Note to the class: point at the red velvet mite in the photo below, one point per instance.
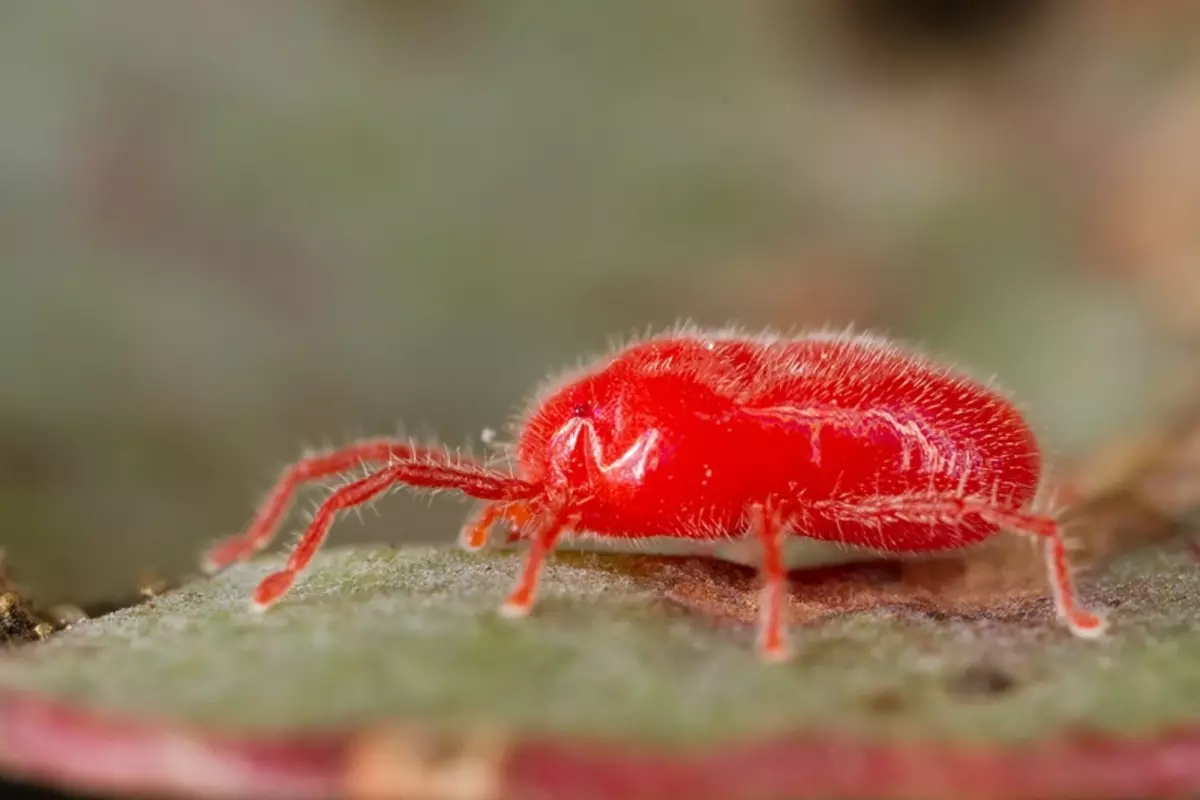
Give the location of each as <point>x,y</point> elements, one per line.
<point>711,435</point>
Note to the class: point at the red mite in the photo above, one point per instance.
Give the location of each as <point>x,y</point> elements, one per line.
<point>713,435</point>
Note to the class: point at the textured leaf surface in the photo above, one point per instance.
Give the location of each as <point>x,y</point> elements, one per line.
<point>636,648</point>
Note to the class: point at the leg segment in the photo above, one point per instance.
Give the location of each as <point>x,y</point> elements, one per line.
<point>951,510</point>
<point>520,601</point>
<point>772,637</point>
<point>477,529</point>
<point>469,479</point>
<point>1081,622</point>
<point>321,465</point>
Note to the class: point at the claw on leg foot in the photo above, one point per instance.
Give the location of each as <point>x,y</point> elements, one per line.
<point>1085,624</point>
<point>225,554</point>
<point>271,588</point>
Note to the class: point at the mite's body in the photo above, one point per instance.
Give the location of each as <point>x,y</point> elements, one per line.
<point>685,437</point>
<point>711,436</point>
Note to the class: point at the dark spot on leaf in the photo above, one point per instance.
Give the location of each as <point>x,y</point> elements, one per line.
<point>885,702</point>
<point>982,680</point>
<point>934,32</point>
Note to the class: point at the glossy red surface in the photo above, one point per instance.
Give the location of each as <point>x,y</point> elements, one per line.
<point>847,438</point>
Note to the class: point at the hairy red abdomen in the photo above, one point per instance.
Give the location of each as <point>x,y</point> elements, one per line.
<point>834,433</point>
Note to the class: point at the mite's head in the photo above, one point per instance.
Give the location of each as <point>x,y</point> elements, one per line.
<point>568,438</point>
<point>613,428</point>
<point>605,429</point>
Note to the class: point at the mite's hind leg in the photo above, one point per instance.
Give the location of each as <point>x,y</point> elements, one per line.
<point>772,635</point>
<point>1078,619</point>
<point>1081,621</point>
<point>544,537</point>
<point>949,510</point>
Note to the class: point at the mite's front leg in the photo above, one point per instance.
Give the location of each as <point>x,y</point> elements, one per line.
<point>312,467</point>
<point>476,531</point>
<point>544,537</point>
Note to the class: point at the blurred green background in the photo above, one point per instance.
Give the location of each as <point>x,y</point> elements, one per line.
<point>231,230</point>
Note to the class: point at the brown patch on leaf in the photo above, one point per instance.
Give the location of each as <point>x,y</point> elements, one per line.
<point>982,680</point>
<point>944,587</point>
<point>885,702</point>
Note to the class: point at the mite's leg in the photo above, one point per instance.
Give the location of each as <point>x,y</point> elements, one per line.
<point>471,480</point>
<point>477,529</point>
<point>517,516</point>
<point>1081,621</point>
<point>321,465</point>
<point>772,637</point>
<point>950,510</point>
<point>520,601</point>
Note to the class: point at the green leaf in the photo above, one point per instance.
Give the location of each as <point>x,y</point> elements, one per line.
<point>644,653</point>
